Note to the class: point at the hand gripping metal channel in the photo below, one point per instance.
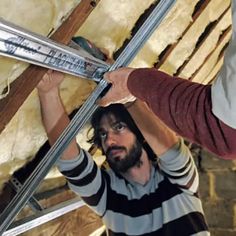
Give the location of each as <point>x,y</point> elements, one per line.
<point>81,117</point>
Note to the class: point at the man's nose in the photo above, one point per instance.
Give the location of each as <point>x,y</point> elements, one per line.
<point>111,139</point>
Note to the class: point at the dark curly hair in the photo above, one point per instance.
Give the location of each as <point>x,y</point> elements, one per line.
<point>120,112</point>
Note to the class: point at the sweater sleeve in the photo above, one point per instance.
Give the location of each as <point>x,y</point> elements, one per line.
<point>185,107</point>
<point>179,167</point>
<point>86,179</point>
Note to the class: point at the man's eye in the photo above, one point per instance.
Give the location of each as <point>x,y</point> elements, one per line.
<point>103,135</point>
<point>119,126</point>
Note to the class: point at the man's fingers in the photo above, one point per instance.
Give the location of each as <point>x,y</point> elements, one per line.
<point>108,98</point>
<point>107,77</point>
<point>103,102</point>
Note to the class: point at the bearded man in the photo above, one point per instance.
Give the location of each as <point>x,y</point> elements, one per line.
<point>151,187</point>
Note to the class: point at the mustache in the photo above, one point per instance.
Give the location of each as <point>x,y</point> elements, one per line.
<point>114,148</point>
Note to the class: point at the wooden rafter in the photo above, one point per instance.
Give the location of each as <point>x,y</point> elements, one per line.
<point>225,34</point>
<point>212,27</point>
<point>28,80</point>
<point>164,55</point>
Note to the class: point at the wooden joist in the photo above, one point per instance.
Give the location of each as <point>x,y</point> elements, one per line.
<point>214,72</point>
<point>207,43</point>
<point>185,47</point>
<point>199,8</point>
<point>201,75</point>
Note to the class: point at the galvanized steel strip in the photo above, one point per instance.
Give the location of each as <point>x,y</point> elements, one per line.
<point>20,44</point>
<point>44,216</point>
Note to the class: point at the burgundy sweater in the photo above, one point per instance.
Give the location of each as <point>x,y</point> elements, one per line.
<point>186,108</point>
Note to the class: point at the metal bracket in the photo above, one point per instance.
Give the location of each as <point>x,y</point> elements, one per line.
<point>43,216</point>
<point>33,203</point>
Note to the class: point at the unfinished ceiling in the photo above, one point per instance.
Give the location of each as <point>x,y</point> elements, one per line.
<point>189,43</point>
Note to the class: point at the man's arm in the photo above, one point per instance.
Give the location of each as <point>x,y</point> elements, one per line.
<point>54,116</point>
<point>184,106</point>
<point>81,172</point>
<point>204,114</point>
<point>175,158</point>
<point>156,133</point>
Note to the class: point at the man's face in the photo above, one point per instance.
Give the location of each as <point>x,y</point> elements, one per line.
<point>120,145</point>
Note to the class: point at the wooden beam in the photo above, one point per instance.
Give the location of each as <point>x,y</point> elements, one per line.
<point>28,80</point>
<point>164,55</point>
<point>206,34</point>
<point>215,71</point>
<point>220,47</point>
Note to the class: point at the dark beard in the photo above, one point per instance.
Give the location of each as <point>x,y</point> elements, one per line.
<point>133,158</point>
